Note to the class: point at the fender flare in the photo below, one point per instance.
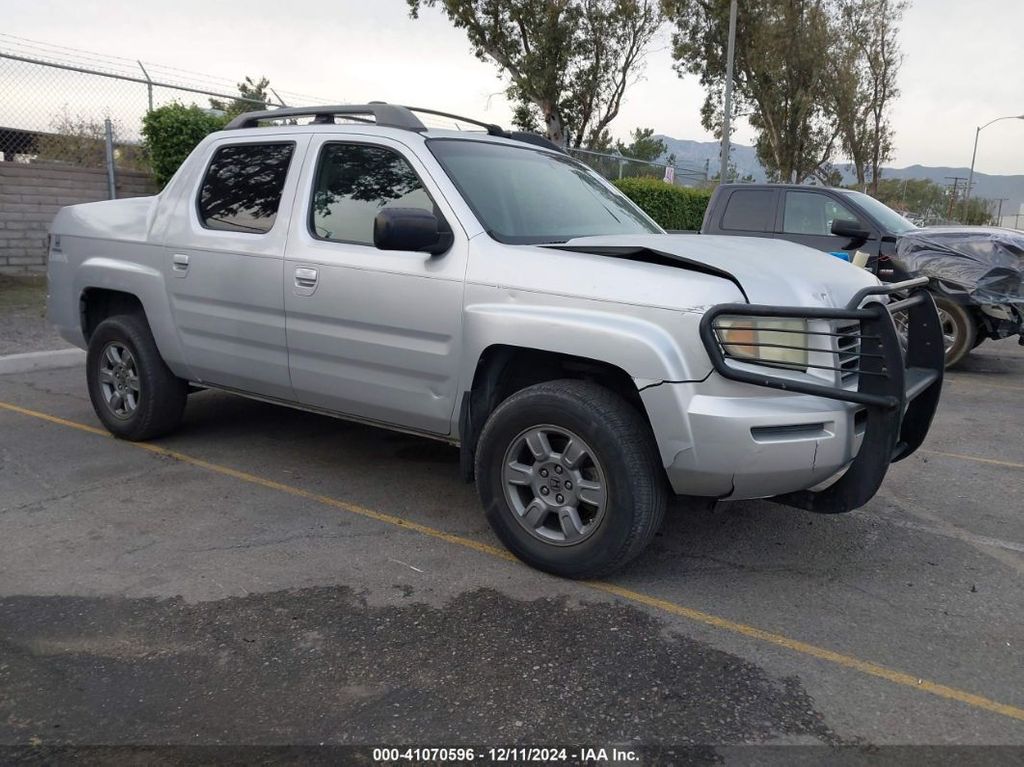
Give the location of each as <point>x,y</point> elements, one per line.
<point>644,349</point>
<point>147,285</point>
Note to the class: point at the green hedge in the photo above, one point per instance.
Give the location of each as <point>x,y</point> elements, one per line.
<point>171,132</point>
<point>673,207</point>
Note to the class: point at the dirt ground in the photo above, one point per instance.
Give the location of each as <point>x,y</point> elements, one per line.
<point>23,326</point>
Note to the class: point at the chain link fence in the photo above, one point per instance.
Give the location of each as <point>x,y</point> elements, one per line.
<point>616,166</point>
<point>58,112</point>
<point>57,106</point>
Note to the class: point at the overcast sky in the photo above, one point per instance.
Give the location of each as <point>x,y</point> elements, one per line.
<point>964,63</point>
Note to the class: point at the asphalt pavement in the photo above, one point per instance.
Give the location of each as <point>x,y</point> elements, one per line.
<point>270,576</point>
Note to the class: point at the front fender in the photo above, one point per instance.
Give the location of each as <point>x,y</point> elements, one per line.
<point>650,345</point>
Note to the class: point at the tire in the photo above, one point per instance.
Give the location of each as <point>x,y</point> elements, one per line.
<point>133,392</point>
<point>959,329</point>
<point>612,523</point>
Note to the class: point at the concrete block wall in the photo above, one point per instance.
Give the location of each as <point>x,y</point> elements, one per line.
<point>32,193</point>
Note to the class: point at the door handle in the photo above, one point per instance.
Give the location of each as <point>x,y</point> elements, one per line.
<point>179,264</point>
<point>305,281</point>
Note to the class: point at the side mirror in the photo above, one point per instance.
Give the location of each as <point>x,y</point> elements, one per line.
<point>410,229</point>
<point>853,230</point>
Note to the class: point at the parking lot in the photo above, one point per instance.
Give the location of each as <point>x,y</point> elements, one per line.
<point>270,576</point>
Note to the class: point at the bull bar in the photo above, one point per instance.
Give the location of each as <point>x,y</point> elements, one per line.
<point>898,387</point>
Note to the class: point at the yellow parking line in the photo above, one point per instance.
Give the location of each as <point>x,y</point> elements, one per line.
<point>975,458</point>
<point>688,613</point>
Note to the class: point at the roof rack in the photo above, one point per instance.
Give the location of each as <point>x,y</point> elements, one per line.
<point>385,115</point>
<point>389,115</point>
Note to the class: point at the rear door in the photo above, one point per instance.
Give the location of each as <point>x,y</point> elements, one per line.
<point>746,213</point>
<point>224,264</point>
<point>371,333</point>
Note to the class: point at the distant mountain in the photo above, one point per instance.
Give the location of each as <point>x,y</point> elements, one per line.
<point>1011,188</point>
<point>991,187</point>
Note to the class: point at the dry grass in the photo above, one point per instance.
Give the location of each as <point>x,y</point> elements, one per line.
<point>23,295</point>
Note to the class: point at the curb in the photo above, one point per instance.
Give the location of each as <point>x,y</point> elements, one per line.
<point>48,360</point>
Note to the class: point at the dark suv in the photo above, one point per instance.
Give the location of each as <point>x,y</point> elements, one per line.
<point>974,273</point>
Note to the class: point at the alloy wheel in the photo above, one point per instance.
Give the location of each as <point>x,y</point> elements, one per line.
<point>119,379</point>
<point>555,485</point>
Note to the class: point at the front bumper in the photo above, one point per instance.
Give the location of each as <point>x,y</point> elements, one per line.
<point>722,440</point>
<point>812,445</point>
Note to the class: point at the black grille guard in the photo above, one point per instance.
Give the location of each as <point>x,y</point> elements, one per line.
<point>898,389</point>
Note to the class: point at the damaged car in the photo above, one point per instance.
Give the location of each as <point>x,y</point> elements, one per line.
<point>483,289</point>
<point>975,275</point>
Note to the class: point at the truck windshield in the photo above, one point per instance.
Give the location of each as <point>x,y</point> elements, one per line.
<point>890,221</point>
<point>528,196</point>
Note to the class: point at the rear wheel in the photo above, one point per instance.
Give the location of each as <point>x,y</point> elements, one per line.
<point>133,392</point>
<point>570,478</point>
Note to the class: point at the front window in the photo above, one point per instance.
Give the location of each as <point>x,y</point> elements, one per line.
<point>813,213</point>
<point>524,195</point>
<point>890,221</point>
<point>354,182</point>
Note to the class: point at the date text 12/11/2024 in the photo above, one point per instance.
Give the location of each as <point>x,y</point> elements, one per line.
<point>504,754</point>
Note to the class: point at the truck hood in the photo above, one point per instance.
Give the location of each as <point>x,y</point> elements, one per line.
<point>767,271</point>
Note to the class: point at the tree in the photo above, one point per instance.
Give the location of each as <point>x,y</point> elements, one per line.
<point>869,30</point>
<point>779,75</point>
<point>252,97</point>
<point>978,213</point>
<point>644,145</point>
<point>849,99</point>
<point>76,140</point>
<point>567,62</point>
<point>171,132</point>
<point>914,195</point>
<point>931,201</point>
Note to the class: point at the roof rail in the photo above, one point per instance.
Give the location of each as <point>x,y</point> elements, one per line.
<point>386,115</point>
<point>491,128</point>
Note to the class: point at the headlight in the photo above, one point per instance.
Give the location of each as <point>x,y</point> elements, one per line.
<point>763,339</point>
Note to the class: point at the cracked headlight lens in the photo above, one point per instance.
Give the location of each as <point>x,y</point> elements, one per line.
<point>765,339</point>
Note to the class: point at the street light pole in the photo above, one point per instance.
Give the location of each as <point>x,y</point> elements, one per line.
<point>727,117</point>
<point>974,156</point>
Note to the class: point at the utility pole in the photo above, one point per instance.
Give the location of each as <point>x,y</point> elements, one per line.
<point>999,215</point>
<point>952,199</point>
<point>727,116</point>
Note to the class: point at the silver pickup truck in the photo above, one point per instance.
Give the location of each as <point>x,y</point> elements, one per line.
<point>484,289</point>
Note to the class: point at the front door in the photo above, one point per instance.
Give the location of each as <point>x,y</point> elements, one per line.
<point>224,264</point>
<point>371,333</point>
<point>807,219</point>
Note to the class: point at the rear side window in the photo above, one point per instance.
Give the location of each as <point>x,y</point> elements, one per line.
<point>242,188</point>
<point>354,182</point>
<point>748,210</point>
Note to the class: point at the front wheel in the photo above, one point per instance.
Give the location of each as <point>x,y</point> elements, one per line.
<point>570,478</point>
<point>959,330</point>
<point>133,392</point>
